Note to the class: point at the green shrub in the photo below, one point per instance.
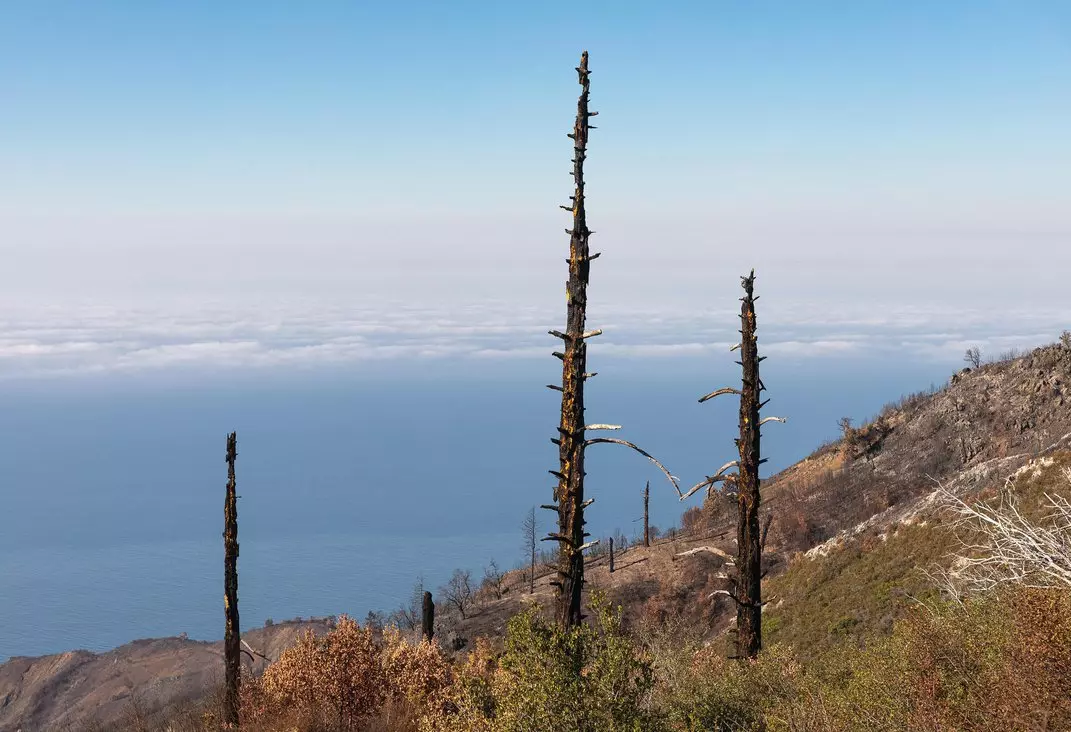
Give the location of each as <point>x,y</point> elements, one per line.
<point>591,678</point>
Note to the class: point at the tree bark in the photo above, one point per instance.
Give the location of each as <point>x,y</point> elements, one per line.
<point>427,619</point>
<point>232,642</point>
<point>646,515</point>
<point>749,538</point>
<point>530,528</point>
<point>569,493</point>
<point>611,555</point>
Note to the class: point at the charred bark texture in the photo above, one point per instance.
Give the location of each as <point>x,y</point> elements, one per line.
<point>646,515</point>
<point>232,642</point>
<point>569,492</point>
<point>611,555</point>
<point>427,618</point>
<point>749,535</point>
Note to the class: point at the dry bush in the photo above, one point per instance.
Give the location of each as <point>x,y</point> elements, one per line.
<point>335,679</point>
<point>346,680</point>
<point>493,585</point>
<point>696,519</point>
<point>459,592</point>
<point>417,672</point>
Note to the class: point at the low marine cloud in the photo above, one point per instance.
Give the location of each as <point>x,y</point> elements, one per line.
<point>79,339</point>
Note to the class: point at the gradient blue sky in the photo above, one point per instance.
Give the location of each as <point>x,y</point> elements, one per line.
<point>364,107</point>
<point>900,151</point>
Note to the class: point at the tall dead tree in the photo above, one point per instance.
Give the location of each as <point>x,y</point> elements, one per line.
<point>572,440</point>
<point>647,515</point>
<point>232,642</point>
<point>750,534</point>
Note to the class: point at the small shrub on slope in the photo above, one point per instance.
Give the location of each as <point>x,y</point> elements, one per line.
<point>341,680</point>
<point>590,678</point>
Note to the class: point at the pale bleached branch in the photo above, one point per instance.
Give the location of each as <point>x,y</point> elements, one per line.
<point>764,420</point>
<point>712,549</point>
<point>1005,547</point>
<point>649,456</point>
<point>712,479</point>
<point>602,427</point>
<point>250,651</point>
<point>734,347</point>
<point>719,392</point>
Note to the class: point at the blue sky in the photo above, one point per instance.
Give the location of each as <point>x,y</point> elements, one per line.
<point>908,152</point>
<point>360,107</point>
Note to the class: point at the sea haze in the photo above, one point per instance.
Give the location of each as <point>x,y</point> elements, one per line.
<point>352,484</point>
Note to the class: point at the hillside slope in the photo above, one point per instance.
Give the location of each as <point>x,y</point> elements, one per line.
<point>65,689</point>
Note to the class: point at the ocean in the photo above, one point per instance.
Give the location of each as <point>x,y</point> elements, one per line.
<point>353,484</point>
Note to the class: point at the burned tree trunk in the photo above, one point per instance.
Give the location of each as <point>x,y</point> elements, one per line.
<point>529,528</point>
<point>232,643</point>
<point>569,493</point>
<point>571,441</point>
<point>611,555</point>
<point>427,618</point>
<point>748,534</point>
<point>646,515</point>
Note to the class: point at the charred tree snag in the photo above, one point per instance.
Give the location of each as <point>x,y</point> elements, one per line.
<point>569,492</point>
<point>646,515</point>
<point>751,534</point>
<point>611,555</point>
<point>232,644</point>
<point>748,539</point>
<point>427,618</point>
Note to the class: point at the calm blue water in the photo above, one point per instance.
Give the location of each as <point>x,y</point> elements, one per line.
<point>352,485</point>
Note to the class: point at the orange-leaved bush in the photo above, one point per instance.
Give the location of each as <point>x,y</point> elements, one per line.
<point>344,678</point>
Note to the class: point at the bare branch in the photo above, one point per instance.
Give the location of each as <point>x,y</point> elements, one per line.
<point>728,593</point>
<point>649,456</point>
<point>719,392</point>
<point>712,549</point>
<point>1005,547</point>
<point>711,480</point>
<point>602,427</point>
<point>253,652</point>
<point>764,420</point>
<point>557,537</point>
<point>588,545</point>
<point>734,347</point>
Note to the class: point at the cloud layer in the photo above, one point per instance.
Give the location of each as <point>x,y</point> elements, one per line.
<point>88,338</point>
